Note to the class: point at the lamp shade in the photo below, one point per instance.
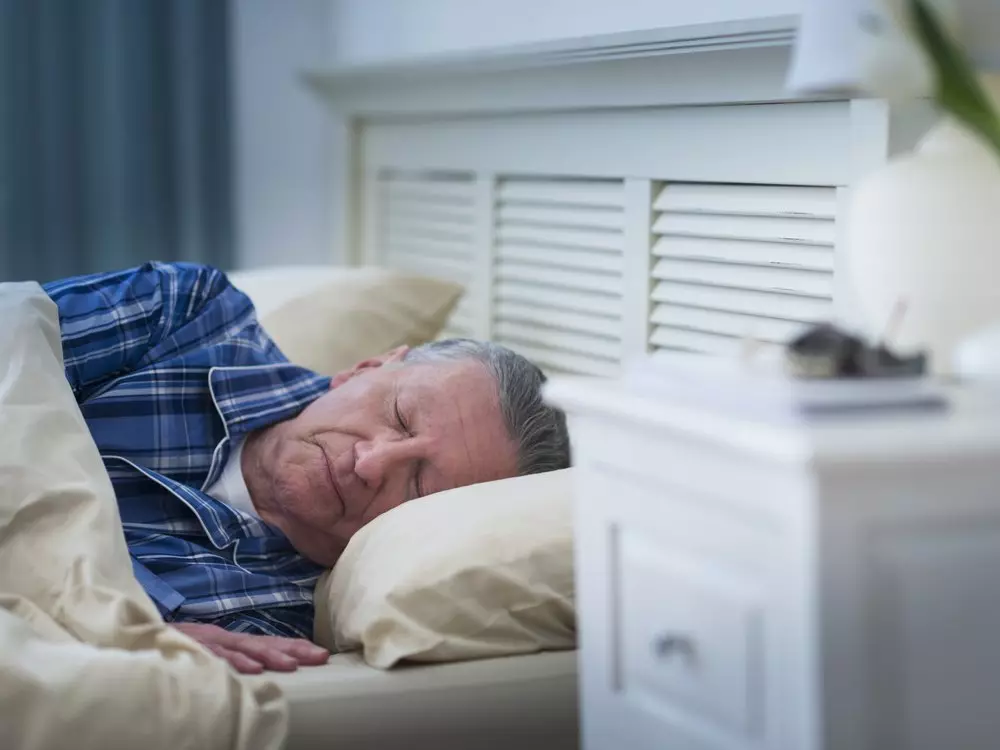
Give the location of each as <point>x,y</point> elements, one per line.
<point>858,47</point>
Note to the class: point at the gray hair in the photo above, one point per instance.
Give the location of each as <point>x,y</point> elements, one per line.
<point>538,430</point>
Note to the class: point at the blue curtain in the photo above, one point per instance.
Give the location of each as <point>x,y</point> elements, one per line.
<point>115,135</point>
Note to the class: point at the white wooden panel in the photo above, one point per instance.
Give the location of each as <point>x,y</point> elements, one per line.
<point>426,246</point>
<point>806,257</point>
<point>559,246</point>
<point>373,198</point>
<point>699,342</point>
<point>743,72</point>
<point>679,339</point>
<point>430,223</point>
<point>549,338</point>
<point>445,268</point>
<point>638,260</point>
<point>764,229</point>
<point>610,241</point>
<point>740,261</point>
<point>485,211</point>
<point>560,279</point>
<point>576,216</point>
<point>429,226</point>
<point>788,281</point>
<point>436,192</point>
<point>557,256</point>
<point>596,194</point>
<point>436,215</point>
<point>521,312</point>
<point>554,360</point>
<point>747,302</point>
<point>748,200</point>
<point>780,144</point>
<point>554,298</point>
<point>714,321</point>
<point>846,310</point>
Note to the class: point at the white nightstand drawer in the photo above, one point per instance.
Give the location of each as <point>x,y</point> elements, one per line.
<point>690,642</point>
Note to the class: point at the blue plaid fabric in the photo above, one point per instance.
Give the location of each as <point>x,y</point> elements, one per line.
<point>169,366</point>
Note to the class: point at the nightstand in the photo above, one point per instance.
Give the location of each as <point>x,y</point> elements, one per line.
<point>749,585</point>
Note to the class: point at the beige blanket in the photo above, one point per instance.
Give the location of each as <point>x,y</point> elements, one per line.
<point>85,659</point>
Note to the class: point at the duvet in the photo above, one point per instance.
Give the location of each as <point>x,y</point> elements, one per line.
<point>85,659</point>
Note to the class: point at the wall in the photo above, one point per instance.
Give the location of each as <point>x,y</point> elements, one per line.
<point>366,31</point>
<point>283,134</point>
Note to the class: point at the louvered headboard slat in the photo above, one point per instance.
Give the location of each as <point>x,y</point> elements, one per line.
<point>563,237</point>
<point>718,244</point>
<point>581,270</point>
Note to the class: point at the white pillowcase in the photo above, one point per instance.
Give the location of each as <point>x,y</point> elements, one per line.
<point>476,572</point>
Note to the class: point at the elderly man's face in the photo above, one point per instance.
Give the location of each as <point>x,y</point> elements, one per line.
<point>385,433</point>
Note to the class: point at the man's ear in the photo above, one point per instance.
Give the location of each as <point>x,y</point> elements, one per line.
<point>393,355</point>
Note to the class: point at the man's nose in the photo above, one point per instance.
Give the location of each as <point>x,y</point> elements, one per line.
<point>375,460</point>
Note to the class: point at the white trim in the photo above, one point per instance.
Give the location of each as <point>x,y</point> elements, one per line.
<point>215,402</point>
<point>636,278</point>
<point>345,202</point>
<point>810,142</point>
<point>148,473</point>
<point>869,134</point>
<point>749,75</point>
<point>482,272</point>
<point>845,308</point>
<point>370,208</point>
<point>697,37</point>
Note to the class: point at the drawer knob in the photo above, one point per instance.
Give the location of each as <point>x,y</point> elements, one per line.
<point>675,645</point>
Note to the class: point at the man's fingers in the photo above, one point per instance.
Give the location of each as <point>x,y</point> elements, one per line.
<point>303,651</point>
<point>253,653</point>
<point>308,654</point>
<point>240,662</point>
<point>267,654</point>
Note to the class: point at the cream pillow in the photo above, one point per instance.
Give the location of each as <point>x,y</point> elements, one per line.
<point>328,319</point>
<point>471,573</point>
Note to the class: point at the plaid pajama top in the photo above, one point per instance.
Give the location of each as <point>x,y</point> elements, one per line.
<point>169,365</point>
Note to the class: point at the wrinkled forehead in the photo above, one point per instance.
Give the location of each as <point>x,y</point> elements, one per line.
<point>460,405</point>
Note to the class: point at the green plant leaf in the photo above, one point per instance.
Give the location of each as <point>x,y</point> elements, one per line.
<point>958,91</point>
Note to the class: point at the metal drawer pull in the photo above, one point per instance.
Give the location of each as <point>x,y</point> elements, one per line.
<point>669,645</point>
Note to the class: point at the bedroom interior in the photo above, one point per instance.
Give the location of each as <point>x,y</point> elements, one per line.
<point>738,559</point>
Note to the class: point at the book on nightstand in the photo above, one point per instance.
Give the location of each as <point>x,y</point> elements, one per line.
<point>765,392</point>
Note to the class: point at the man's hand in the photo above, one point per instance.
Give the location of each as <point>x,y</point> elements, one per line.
<point>252,654</point>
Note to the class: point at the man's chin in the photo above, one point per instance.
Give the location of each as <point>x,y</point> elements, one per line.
<point>321,551</point>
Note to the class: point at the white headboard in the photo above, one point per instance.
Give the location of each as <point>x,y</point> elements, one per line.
<point>653,197</point>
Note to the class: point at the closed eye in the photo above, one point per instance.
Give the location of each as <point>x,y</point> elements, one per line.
<point>399,418</point>
<point>417,486</point>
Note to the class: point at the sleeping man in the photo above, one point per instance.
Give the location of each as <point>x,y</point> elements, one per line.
<point>241,477</point>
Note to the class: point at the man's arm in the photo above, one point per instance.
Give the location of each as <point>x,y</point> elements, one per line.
<point>113,323</point>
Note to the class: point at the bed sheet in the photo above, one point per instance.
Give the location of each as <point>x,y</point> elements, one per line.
<point>521,702</point>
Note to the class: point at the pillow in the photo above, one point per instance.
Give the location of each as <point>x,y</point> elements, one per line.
<point>476,572</point>
<point>270,288</point>
<point>328,319</point>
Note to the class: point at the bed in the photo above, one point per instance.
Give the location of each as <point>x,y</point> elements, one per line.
<point>610,199</point>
